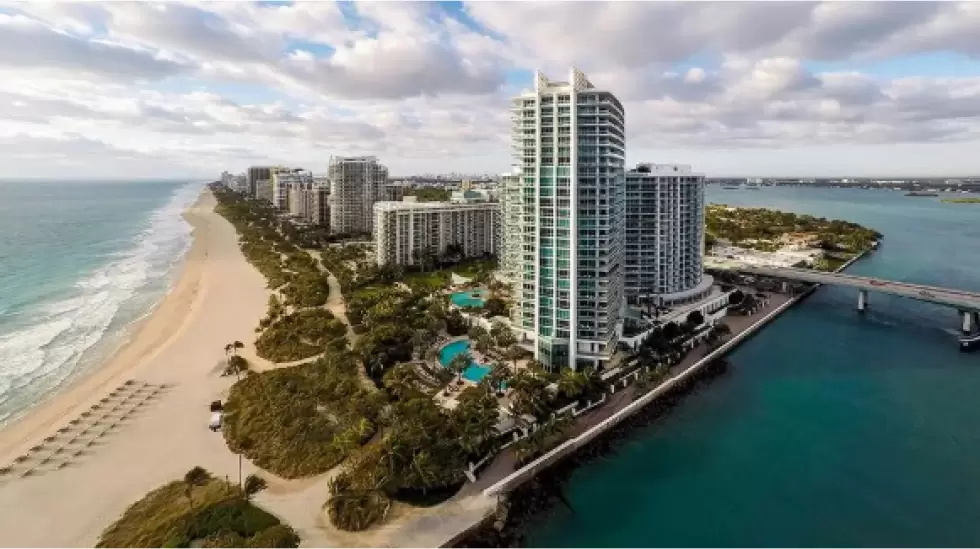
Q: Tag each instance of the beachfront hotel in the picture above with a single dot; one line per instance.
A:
(356, 183)
(569, 145)
(664, 235)
(404, 231)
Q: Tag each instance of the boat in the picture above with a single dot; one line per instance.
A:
(921, 193)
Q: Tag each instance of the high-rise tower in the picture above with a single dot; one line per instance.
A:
(664, 235)
(356, 183)
(569, 143)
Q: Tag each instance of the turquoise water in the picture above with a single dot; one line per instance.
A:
(469, 298)
(475, 372)
(831, 429)
(79, 262)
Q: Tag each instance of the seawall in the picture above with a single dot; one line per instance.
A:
(527, 472)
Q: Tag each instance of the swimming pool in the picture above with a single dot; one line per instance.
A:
(475, 371)
(470, 298)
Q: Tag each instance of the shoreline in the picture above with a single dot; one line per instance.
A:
(62, 399)
(109, 462)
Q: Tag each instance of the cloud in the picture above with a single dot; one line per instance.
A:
(426, 86)
(27, 44)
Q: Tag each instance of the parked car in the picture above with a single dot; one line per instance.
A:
(216, 409)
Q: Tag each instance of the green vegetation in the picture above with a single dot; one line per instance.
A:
(961, 200)
(201, 511)
(761, 229)
(301, 420)
(299, 335)
(421, 460)
(430, 194)
(394, 440)
(273, 249)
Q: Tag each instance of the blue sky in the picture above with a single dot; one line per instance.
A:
(732, 88)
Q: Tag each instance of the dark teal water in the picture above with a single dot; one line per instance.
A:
(831, 429)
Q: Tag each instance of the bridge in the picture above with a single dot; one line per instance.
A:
(967, 303)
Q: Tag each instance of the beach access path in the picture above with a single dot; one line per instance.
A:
(84, 477)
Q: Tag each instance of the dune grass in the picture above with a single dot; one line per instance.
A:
(302, 420)
(299, 335)
(212, 513)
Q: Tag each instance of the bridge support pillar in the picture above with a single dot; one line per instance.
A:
(862, 300)
(969, 321)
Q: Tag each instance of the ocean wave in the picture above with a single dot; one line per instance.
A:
(43, 356)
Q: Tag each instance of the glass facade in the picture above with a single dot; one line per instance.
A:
(664, 230)
(562, 218)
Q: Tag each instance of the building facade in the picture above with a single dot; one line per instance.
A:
(405, 231)
(301, 203)
(664, 235)
(286, 179)
(320, 205)
(356, 183)
(569, 143)
(510, 251)
(254, 175)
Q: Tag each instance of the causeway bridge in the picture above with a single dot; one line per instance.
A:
(967, 303)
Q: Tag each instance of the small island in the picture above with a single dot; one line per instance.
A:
(769, 237)
(961, 200)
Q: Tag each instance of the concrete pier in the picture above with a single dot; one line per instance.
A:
(862, 300)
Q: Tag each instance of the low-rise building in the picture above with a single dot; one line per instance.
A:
(404, 232)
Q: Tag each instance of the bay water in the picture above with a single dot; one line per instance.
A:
(80, 263)
(831, 428)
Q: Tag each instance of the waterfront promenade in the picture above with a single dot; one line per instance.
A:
(477, 501)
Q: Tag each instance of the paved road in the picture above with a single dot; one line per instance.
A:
(959, 299)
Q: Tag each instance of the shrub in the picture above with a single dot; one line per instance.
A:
(236, 365)
(254, 484)
(302, 420)
(216, 516)
(354, 509)
(299, 335)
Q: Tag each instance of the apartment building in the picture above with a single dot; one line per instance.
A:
(404, 231)
(286, 179)
(320, 205)
(256, 174)
(664, 235)
(569, 144)
(356, 183)
(510, 252)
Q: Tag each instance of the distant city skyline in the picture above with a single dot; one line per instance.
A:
(833, 89)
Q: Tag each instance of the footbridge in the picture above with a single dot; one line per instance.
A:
(967, 303)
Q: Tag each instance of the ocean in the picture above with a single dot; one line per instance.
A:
(80, 262)
(830, 429)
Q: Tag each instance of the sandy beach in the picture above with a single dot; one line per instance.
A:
(77, 468)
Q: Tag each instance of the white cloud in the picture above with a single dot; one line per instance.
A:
(204, 87)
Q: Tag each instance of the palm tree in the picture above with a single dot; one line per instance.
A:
(571, 382)
(459, 364)
(513, 353)
(530, 394)
(496, 378)
(197, 476)
(400, 382)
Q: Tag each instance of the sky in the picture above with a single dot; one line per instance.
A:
(157, 90)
